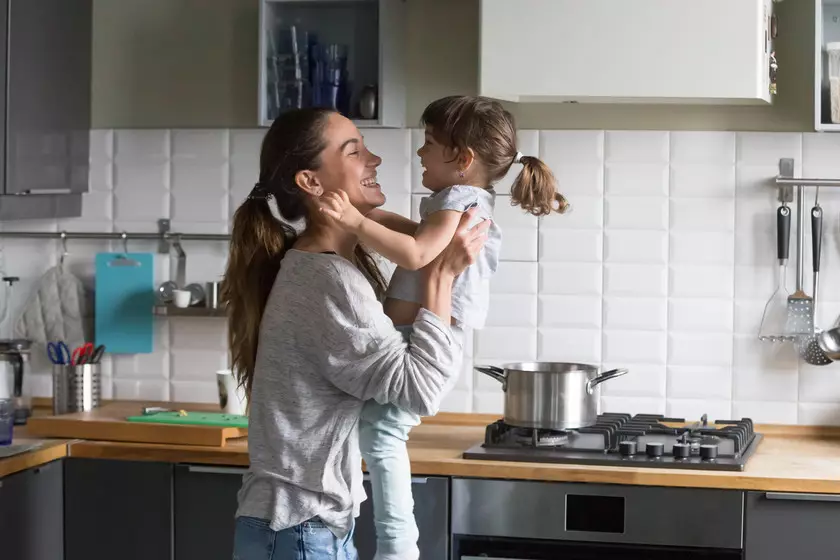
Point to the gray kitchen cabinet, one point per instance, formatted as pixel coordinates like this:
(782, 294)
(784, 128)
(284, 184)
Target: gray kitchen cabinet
(781, 526)
(117, 509)
(46, 117)
(431, 510)
(205, 506)
(31, 510)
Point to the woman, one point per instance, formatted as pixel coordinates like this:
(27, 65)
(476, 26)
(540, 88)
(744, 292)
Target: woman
(325, 344)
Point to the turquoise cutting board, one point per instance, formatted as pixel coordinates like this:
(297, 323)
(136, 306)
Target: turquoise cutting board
(124, 301)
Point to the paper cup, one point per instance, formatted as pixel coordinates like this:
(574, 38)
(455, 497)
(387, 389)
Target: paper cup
(232, 399)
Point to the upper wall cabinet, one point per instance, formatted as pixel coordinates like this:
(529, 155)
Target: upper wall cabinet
(44, 148)
(627, 51)
(827, 33)
(345, 54)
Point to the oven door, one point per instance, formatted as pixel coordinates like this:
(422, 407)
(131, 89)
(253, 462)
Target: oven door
(479, 548)
(522, 520)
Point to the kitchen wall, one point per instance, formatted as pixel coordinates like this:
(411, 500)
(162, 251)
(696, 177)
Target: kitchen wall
(193, 63)
(662, 266)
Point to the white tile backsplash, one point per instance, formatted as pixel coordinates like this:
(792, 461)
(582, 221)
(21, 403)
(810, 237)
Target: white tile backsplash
(663, 265)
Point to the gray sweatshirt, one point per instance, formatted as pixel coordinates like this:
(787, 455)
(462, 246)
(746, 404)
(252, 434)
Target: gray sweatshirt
(325, 347)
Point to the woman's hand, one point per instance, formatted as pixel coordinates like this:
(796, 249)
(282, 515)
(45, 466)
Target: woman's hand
(464, 247)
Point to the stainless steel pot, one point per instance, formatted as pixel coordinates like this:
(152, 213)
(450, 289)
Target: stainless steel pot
(550, 395)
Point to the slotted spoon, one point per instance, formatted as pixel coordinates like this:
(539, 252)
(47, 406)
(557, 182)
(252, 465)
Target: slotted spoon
(809, 347)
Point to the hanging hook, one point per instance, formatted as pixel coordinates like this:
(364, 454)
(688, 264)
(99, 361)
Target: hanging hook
(124, 237)
(64, 251)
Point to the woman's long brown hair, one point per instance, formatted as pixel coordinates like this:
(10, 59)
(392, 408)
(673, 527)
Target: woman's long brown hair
(259, 240)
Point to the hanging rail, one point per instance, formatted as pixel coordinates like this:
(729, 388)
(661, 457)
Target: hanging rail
(164, 236)
(785, 177)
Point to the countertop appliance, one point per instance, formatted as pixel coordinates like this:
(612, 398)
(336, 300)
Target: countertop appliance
(624, 440)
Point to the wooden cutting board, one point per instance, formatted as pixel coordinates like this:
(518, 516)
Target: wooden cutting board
(109, 423)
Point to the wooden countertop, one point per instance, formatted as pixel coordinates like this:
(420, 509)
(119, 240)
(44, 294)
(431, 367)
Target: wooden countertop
(789, 459)
(48, 450)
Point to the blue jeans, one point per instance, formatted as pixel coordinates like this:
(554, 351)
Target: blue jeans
(311, 540)
(383, 432)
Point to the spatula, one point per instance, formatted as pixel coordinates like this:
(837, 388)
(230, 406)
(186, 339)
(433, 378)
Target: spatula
(800, 306)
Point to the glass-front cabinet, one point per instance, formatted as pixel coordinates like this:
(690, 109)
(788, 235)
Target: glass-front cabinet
(345, 54)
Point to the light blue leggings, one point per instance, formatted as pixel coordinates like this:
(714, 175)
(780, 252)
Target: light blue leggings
(383, 432)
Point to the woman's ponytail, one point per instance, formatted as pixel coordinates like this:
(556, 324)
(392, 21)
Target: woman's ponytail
(258, 242)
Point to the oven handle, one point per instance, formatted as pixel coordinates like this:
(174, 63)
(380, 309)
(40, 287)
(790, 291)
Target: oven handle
(414, 479)
(802, 497)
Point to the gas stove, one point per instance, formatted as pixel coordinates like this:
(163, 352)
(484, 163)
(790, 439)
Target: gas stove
(624, 440)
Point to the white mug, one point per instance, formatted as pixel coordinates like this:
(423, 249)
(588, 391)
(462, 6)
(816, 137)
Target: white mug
(232, 398)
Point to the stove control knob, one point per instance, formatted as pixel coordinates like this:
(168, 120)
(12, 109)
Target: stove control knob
(682, 450)
(709, 451)
(627, 448)
(654, 448)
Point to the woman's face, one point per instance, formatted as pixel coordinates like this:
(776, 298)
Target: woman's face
(347, 165)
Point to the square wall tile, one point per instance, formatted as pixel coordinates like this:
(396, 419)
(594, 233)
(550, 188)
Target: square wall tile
(515, 278)
(570, 245)
(200, 144)
(559, 147)
(625, 212)
(702, 147)
(637, 146)
(570, 278)
(642, 179)
(702, 180)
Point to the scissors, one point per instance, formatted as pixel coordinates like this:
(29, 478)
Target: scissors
(82, 354)
(58, 353)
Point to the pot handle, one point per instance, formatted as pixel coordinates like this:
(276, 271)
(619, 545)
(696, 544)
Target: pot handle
(496, 373)
(606, 376)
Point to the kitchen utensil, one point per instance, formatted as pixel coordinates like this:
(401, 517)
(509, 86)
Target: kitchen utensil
(232, 397)
(808, 346)
(155, 409)
(14, 357)
(181, 298)
(211, 298)
(166, 290)
(800, 306)
(76, 388)
(550, 395)
(82, 354)
(367, 102)
(196, 294)
(98, 352)
(7, 420)
(772, 327)
(829, 342)
(125, 296)
(58, 353)
(193, 418)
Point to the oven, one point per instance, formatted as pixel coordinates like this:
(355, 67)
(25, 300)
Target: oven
(522, 520)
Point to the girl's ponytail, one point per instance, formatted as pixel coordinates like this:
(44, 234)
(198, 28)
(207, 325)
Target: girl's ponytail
(535, 188)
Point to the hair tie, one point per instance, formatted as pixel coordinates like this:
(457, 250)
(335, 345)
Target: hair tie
(259, 192)
(518, 157)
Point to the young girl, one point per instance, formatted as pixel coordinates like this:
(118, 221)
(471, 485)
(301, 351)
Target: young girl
(470, 145)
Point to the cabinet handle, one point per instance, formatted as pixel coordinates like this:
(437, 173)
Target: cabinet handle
(414, 479)
(797, 497)
(216, 470)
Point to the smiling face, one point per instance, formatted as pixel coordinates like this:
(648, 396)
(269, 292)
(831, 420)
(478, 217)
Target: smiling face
(346, 164)
(440, 164)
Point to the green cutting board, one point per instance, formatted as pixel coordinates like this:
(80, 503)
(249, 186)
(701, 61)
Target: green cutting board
(219, 419)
